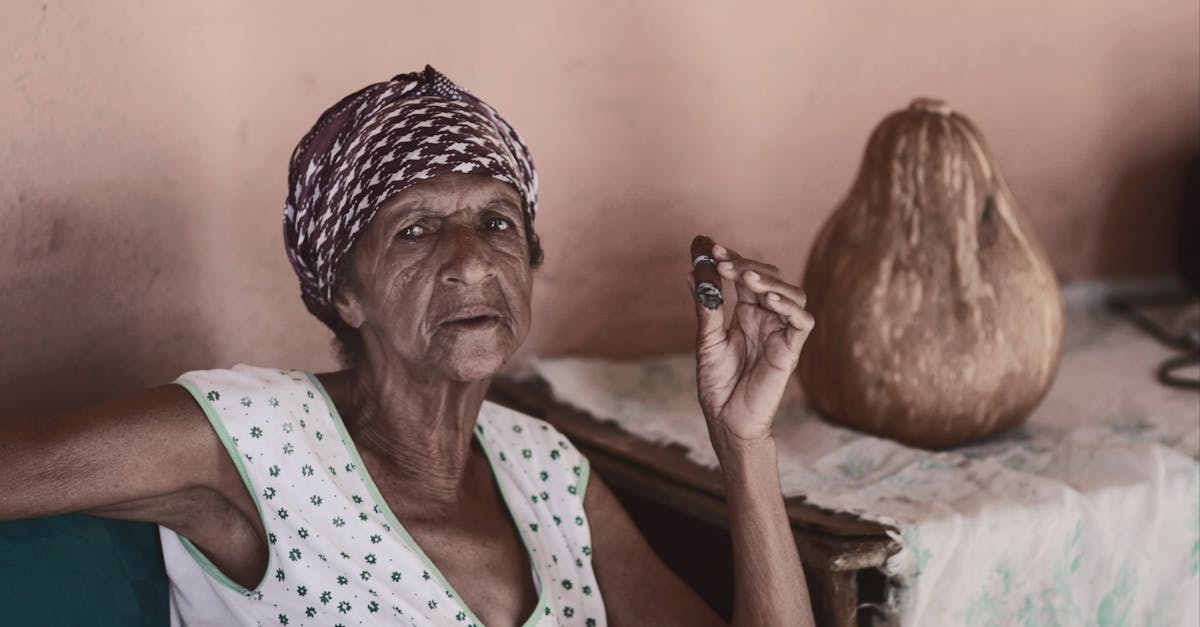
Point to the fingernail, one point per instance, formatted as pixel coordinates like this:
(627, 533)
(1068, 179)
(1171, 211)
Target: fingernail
(773, 297)
(727, 266)
(752, 276)
(719, 250)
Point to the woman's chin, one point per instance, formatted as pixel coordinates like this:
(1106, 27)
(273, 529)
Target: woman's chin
(473, 365)
(467, 357)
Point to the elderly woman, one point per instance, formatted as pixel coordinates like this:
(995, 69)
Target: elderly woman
(391, 492)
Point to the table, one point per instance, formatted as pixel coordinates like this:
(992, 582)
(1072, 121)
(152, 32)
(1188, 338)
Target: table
(840, 552)
(1084, 514)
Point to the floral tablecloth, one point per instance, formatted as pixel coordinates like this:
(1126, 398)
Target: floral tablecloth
(1087, 514)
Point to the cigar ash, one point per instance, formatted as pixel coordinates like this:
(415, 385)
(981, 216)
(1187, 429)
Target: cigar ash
(709, 295)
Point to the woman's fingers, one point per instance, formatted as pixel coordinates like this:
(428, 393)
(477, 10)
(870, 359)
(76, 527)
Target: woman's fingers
(797, 318)
(738, 271)
(724, 254)
(729, 269)
(762, 284)
(753, 285)
(734, 267)
(740, 263)
(784, 300)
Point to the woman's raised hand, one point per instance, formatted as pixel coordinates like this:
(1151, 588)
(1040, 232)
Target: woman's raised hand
(743, 366)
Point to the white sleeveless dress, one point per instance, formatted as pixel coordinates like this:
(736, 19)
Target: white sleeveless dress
(337, 554)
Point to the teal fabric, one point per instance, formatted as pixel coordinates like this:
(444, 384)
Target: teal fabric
(81, 570)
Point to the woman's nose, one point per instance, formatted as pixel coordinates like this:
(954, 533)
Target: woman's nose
(466, 258)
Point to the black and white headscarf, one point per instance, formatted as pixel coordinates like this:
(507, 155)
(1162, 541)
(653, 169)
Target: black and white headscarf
(375, 143)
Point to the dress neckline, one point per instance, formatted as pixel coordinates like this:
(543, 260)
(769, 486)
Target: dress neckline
(398, 528)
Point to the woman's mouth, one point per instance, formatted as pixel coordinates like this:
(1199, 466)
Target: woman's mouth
(472, 318)
(474, 323)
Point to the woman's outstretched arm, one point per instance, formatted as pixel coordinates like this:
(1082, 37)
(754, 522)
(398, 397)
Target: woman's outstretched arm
(116, 457)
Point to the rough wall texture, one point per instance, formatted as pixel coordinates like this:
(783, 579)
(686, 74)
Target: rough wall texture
(144, 148)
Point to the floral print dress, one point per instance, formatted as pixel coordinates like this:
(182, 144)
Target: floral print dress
(337, 555)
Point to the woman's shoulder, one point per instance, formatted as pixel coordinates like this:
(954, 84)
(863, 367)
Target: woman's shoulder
(229, 391)
(535, 448)
(241, 377)
(517, 425)
(529, 438)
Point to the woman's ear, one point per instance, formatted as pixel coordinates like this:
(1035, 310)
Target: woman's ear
(347, 304)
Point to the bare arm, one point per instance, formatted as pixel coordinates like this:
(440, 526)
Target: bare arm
(742, 369)
(117, 458)
(769, 585)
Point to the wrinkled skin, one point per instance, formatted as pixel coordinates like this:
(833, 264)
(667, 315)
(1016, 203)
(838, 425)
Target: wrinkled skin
(441, 250)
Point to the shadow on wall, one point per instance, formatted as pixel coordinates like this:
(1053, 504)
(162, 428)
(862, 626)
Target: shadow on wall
(1138, 233)
(99, 294)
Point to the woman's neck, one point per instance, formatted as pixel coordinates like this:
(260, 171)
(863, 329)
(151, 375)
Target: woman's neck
(419, 428)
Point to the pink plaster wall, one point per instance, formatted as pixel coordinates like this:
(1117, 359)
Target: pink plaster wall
(144, 148)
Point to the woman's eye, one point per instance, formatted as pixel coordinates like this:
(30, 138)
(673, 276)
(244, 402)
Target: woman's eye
(412, 231)
(499, 224)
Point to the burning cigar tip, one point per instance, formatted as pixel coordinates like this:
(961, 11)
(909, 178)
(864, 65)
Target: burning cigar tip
(709, 295)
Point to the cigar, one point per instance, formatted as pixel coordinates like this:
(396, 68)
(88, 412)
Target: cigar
(704, 270)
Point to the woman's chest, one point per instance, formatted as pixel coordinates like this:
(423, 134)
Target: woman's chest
(485, 564)
(473, 544)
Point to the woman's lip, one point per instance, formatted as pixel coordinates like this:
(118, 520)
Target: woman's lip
(469, 313)
(473, 322)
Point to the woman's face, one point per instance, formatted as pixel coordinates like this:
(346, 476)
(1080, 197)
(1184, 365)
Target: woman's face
(440, 280)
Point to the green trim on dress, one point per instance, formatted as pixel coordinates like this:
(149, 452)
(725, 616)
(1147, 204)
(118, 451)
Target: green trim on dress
(403, 533)
(235, 455)
(584, 473)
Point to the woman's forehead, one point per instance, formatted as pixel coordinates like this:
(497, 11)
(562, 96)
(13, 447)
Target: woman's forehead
(452, 192)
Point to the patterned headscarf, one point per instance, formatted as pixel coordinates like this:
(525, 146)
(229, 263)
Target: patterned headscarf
(375, 143)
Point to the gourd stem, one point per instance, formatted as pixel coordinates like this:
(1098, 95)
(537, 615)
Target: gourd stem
(931, 105)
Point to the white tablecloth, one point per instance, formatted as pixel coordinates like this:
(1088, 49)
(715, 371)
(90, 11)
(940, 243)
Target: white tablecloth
(1087, 514)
